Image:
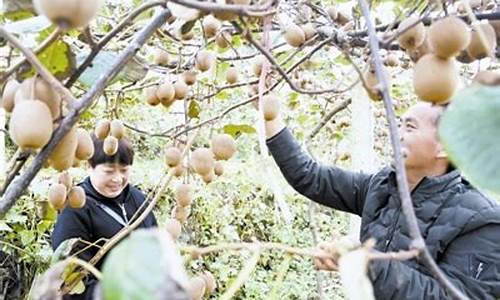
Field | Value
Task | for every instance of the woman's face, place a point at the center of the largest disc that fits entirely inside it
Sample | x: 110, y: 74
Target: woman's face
x: 109, y: 179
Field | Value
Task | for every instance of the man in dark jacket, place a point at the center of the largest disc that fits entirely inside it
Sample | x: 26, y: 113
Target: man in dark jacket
x: 111, y: 202
x: 461, y: 227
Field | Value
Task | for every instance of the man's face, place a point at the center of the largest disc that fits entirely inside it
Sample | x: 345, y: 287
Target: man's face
x: 109, y: 179
x: 419, y: 141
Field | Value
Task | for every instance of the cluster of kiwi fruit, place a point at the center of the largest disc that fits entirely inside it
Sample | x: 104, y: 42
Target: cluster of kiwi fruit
x: 63, y: 193
x: 201, y: 285
x: 372, y: 84
x: 111, y: 132
x: 72, y: 13
x: 296, y: 35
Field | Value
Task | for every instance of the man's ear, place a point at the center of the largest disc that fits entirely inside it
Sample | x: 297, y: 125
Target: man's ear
x: 441, y: 153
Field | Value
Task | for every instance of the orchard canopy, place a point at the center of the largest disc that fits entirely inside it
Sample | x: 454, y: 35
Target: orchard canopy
x: 191, y: 84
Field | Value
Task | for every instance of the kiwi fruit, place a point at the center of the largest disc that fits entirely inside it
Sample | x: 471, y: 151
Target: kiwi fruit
x: 8, y: 94
x: 196, y: 288
x: 63, y: 156
x: 178, y: 170
x: 239, y: 2
x: 476, y: 49
x: 150, y: 95
x: 223, y: 146
x: 342, y: 18
x: 173, y: 156
x: 496, y: 26
x: 66, y: 179
x: 181, y: 213
x: 294, y: 35
x: 117, y: 129
x: 110, y: 145
x: 223, y: 39
x: 270, y: 107
x: 174, y: 228
x: 161, y: 57
x: 487, y: 77
x: 232, y: 75
x: 413, y: 37
x: 184, y: 195
x: 210, y: 282
x: 465, y: 58
x: 43, y: 92
x: 102, y: 128
x: 30, y: 125
x: 210, y: 26
x: 189, y: 77
x: 204, y: 60
x: 423, y: 49
x: 85, y: 146
x: 309, y: 30
x: 57, y: 196
x: 257, y: 66
x: 202, y: 161
x: 181, y: 89
x: 448, y: 36
x: 209, y: 177
x: 74, y: 13
x: 218, y: 168
x: 435, y: 79
x: 332, y: 12
x: 391, y: 60
x: 76, y: 197
x: 371, y: 82
x: 166, y: 94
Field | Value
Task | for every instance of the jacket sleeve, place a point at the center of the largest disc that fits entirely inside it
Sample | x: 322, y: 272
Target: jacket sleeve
x: 327, y: 185
x: 471, y: 262
x: 72, y: 223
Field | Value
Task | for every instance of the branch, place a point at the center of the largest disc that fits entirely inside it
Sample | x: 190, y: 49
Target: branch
x: 98, y: 47
x: 39, y: 67
x: 49, y: 40
x: 241, y: 10
x: 15, y: 190
x: 341, y: 106
x: 402, y: 182
x: 243, y: 276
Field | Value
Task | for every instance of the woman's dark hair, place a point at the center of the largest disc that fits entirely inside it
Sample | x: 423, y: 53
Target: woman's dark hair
x: 123, y: 156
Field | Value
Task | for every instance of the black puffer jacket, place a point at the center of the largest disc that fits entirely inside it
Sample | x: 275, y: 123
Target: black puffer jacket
x: 93, y: 222
x: 461, y: 227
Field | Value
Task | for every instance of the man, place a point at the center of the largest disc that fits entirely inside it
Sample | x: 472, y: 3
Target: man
x: 461, y: 227
x: 111, y: 203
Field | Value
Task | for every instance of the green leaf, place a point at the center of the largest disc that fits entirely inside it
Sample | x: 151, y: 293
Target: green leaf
x: 341, y: 59
x: 469, y: 131
x: 146, y: 266
x: 26, y: 237
x: 235, y: 130
x: 194, y: 109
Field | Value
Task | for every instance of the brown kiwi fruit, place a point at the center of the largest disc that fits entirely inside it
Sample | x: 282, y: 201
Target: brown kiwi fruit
x: 496, y: 26
x: 210, y: 26
x: 76, y: 197
x: 30, y: 125
x: 43, y: 92
x: 85, y: 146
x: 75, y: 13
x: 66, y: 179
x: 117, y: 129
x: 413, y: 37
x: 232, y: 75
x: 223, y: 146
x: 102, y: 128
x: 181, y: 213
x: 371, y: 81
x: 210, y: 282
x: 223, y: 39
x: 332, y: 12
x: 8, y: 94
x: 270, y: 107
x: 184, y: 195
x: 161, y: 57
x: 202, y: 161
x: 150, y: 95
x: 166, y: 94
x: 423, y: 49
x: 448, y: 36
x: 189, y: 77
x: 178, y: 170
x: 435, y: 79
x: 196, y: 288
x: 476, y: 49
x: 57, y: 196
x: 391, y: 60
x: 488, y: 77
x: 294, y: 35
x: 204, y: 60
x: 174, y: 228
x: 209, y: 177
x: 181, y: 89
x: 309, y: 30
x: 173, y: 156
x: 257, y: 66
x: 465, y: 58
x: 63, y: 156
x: 343, y: 18
x: 110, y: 145
x: 218, y: 168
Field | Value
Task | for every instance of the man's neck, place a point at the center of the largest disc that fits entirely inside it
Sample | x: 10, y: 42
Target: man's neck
x: 414, y: 176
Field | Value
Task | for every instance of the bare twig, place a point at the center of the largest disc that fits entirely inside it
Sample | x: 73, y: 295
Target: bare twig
x: 243, y: 276
x: 241, y: 10
x: 418, y: 242
x: 341, y: 106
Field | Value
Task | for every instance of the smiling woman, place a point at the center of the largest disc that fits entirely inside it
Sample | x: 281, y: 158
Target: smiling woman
x: 111, y: 203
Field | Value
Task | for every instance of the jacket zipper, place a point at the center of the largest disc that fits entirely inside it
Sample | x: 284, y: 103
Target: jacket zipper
x: 124, y: 212
x: 391, y: 232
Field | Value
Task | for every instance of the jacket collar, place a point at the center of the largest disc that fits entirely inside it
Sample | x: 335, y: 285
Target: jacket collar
x: 430, y: 185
